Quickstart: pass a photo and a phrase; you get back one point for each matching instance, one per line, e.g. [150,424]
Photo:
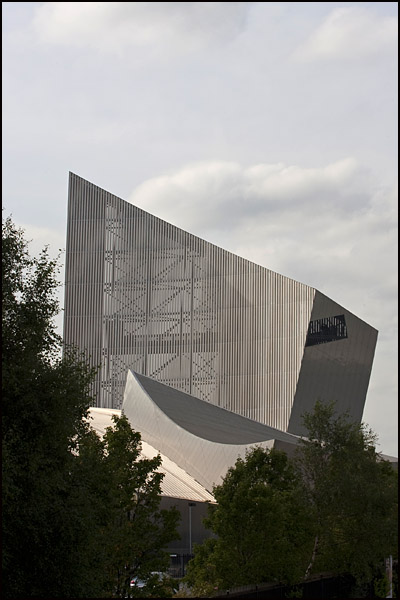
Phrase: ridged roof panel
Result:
[176,482]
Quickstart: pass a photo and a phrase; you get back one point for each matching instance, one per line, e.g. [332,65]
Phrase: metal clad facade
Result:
[142,294]
[337,371]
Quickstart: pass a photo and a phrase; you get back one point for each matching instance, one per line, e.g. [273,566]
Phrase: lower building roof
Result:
[201,438]
[176,482]
[208,421]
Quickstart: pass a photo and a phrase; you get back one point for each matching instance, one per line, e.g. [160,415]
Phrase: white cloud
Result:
[114,26]
[226,194]
[350,33]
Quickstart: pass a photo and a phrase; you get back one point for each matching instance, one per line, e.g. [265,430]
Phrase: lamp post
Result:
[389,575]
[191,504]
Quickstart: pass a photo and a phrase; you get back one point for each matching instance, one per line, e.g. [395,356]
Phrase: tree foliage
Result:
[261,525]
[138,530]
[66,493]
[331,509]
[352,495]
[44,400]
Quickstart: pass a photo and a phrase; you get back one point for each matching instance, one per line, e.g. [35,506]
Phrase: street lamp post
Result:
[389,575]
[191,504]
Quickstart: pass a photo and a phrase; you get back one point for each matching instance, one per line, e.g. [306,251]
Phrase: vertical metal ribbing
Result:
[240,341]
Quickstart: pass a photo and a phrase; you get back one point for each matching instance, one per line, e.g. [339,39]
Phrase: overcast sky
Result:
[267,128]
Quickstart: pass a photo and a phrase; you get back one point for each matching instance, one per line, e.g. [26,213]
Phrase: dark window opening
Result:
[326,330]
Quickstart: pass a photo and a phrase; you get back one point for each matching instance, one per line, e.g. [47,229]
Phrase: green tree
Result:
[352,495]
[44,402]
[63,495]
[260,520]
[204,571]
[138,531]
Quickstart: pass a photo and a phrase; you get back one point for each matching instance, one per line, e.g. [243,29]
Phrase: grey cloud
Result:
[114,26]
[205,194]
[349,33]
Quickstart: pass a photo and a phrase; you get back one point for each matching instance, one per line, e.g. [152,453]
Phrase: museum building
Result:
[206,352]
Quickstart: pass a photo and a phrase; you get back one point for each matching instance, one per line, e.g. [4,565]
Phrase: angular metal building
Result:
[144,295]
[203,439]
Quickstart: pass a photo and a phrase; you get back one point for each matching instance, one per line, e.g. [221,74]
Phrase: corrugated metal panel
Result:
[198,417]
[142,294]
[206,443]
[176,482]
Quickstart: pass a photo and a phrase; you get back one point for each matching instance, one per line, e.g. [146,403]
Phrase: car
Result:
[138,583]
[154,575]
